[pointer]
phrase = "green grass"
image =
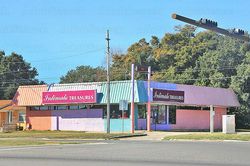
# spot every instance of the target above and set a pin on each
(210, 136)
(21, 142)
(59, 135)
(30, 138)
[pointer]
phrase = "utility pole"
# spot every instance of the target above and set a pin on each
(132, 109)
(212, 25)
(108, 82)
(149, 102)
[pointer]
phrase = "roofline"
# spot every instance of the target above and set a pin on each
(7, 105)
(77, 83)
(152, 103)
(104, 82)
(194, 105)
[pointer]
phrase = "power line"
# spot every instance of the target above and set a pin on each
(59, 58)
(128, 81)
(201, 69)
(219, 78)
(126, 71)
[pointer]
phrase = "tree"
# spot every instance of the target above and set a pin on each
(241, 85)
(187, 57)
(84, 74)
(15, 71)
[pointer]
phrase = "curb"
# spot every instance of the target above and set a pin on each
(127, 136)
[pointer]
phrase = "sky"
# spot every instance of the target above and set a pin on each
(56, 36)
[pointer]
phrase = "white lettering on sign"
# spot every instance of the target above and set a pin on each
(51, 98)
(167, 96)
(84, 96)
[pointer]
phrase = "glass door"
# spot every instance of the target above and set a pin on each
(154, 117)
(159, 116)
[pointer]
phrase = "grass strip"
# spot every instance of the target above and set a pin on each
(210, 136)
(62, 135)
(23, 142)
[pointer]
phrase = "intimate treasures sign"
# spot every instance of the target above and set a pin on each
(168, 95)
(69, 97)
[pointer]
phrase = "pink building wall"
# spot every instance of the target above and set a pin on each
(198, 119)
(218, 117)
(78, 120)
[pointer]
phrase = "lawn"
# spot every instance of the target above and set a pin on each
(210, 136)
(23, 142)
(19, 138)
(60, 135)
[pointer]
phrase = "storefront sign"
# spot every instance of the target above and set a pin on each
(123, 105)
(141, 68)
(68, 97)
(168, 95)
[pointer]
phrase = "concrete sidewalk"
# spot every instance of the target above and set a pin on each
(157, 135)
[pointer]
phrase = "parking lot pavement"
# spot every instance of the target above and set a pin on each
(113, 153)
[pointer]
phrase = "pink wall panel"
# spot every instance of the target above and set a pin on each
(197, 119)
(218, 117)
(191, 119)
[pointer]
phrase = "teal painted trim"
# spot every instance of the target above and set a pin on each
(116, 125)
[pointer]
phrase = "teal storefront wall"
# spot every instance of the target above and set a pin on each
(116, 124)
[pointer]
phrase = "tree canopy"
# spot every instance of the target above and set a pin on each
(15, 71)
(84, 74)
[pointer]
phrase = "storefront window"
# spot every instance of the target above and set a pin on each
(115, 113)
(172, 114)
(82, 106)
(62, 107)
(105, 111)
(21, 117)
(44, 108)
(98, 106)
(142, 112)
(73, 107)
(35, 108)
(162, 114)
(154, 114)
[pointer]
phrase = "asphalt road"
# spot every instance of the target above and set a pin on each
(119, 153)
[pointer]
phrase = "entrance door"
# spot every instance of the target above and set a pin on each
(154, 117)
(159, 116)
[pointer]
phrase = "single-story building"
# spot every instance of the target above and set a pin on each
(11, 116)
(82, 106)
